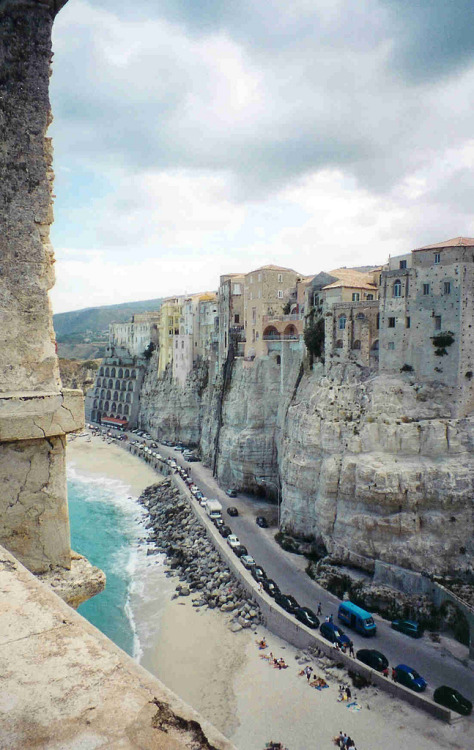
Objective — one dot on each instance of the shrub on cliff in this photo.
(314, 338)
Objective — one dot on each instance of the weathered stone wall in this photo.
(34, 413)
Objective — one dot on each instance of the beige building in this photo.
(266, 292)
(231, 315)
(136, 334)
(171, 312)
(197, 333)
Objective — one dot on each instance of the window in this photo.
(356, 344)
(339, 344)
(437, 321)
(237, 289)
(426, 289)
(403, 264)
(397, 288)
(408, 322)
(447, 287)
(254, 314)
(259, 293)
(259, 277)
(355, 296)
(391, 322)
(370, 297)
(378, 321)
(391, 345)
(437, 258)
(280, 278)
(182, 345)
(236, 318)
(251, 279)
(280, 294)
(342, 322)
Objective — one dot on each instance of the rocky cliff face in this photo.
(377, 469)
(371, 467)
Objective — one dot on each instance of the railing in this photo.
(282, 318)
(282, 337)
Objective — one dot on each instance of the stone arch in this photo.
(126, 410)
(95, 403)
(102, 393)
(339, 344)
(98, 382)
(124, 385)
(121, 396)
(130, 386)
(356, 344)
(114, 407)
(106, 406)
(290, 330)
(375, 346)
(133, 373)
(109, 395)
(127, 373)
(116, 395)
(101, 371)
(111, 383)
(129, 398)
(271, 332)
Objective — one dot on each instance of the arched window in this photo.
(124, 385)
(111, 383)
(102, 393)
(117, 384)
(339, 344)
(130, 386)
(119, 409)
(112, 372)
(95, 403)
(397, 288)
(109, 394)
(114, 407)
(129, 398)
(120, 373)
(360, 316)
(278, 359)
(342, 322)
(98, 382)
(271, 332)
(106, 406)
(115, 395)
(290, 330)
(107, 372)
(356, 344)
(101, 371)
(133, 373)
(126, 410)
(127, 373)
(375, 346)
(122, 396)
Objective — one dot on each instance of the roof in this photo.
(350, 278)
(455, 242)
(274, 268)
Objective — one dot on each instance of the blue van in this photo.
(357, 618)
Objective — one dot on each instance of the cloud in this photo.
(261, 128)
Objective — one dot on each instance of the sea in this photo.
(108, 527)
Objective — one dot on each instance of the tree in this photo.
(314, 338)
(149, 350)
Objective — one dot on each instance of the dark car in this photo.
(373, 659)
(409, 627)
(232, 511)
(231, 493)
(333, 633)
(451, 698)
(218, 522)
(240, 550)
(270, 586)
(225, 531)
(410, 678)
(262, 522)
(258, 573)
(287, 602)
(307, 617)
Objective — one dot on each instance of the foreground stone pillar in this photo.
(35, 414)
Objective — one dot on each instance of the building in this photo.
(197, 333)
(267, 290)
(171, 313)
(136, 334)
(230, 304)
(427, 316)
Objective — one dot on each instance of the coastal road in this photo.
(437, 663)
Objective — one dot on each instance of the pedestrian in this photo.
(351, 649)
(348, 692)
(320, 609)
(331, 618)
(394, 674)
(326, 619)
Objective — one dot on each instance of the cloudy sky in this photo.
(199, 137)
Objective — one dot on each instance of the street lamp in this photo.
(264, 480)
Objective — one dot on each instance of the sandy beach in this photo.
(222, 675)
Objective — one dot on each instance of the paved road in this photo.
(437, 665)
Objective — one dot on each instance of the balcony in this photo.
(280, 337)
(281, 318)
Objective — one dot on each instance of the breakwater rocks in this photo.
(175, 531)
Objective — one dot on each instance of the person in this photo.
(308, 671)
(385, 672)
(326, 619)
(394, 674)
(351, 649)
(320, 610)
(331, 618)
(348, 692)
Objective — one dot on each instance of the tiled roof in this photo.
(455, 242)
(273, 268)
(350, 278)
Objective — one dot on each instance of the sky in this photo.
(195, 138)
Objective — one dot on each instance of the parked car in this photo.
(232, 511)
(258, 573)
(231, 493)
(410, 678)
(218, 522)
(262, 522)
(247, 561)
(286, 602)
(239, 550)
(233, 541)
(270, 586)
(451, 698)
(225, 531)
(334, 633)
(307, 617)
(409, 627)
(374, 659)
(202, 501)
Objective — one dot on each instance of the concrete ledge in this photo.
(77, 585)
(285, 626)
(29, 416)
(64, 684)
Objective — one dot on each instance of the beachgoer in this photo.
(320, 610)
(326, 619)
(385, 672)
(348, 693)
(331, 618)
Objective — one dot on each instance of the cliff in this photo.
(371, 467)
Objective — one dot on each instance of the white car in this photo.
(233, 541)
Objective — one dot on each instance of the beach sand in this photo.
(222, 675)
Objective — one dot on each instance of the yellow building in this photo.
(171, 312)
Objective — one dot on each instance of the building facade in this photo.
(136, 334)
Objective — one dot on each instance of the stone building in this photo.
(136, 334)
(170, 318)
(427, 317)
(266, 292)
(197, 326)
(230, 303)
(114, 399)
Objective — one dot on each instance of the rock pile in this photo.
(175, 531)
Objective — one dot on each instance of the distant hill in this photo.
(83, 334)
(97, 319)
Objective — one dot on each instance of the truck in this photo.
(213, 508)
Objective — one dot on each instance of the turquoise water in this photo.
(107, 527)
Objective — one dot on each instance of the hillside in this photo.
(83, 334)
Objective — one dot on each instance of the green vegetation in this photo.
(91, 321)
(441, 341)
(314, 337)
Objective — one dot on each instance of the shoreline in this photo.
(221, 675)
